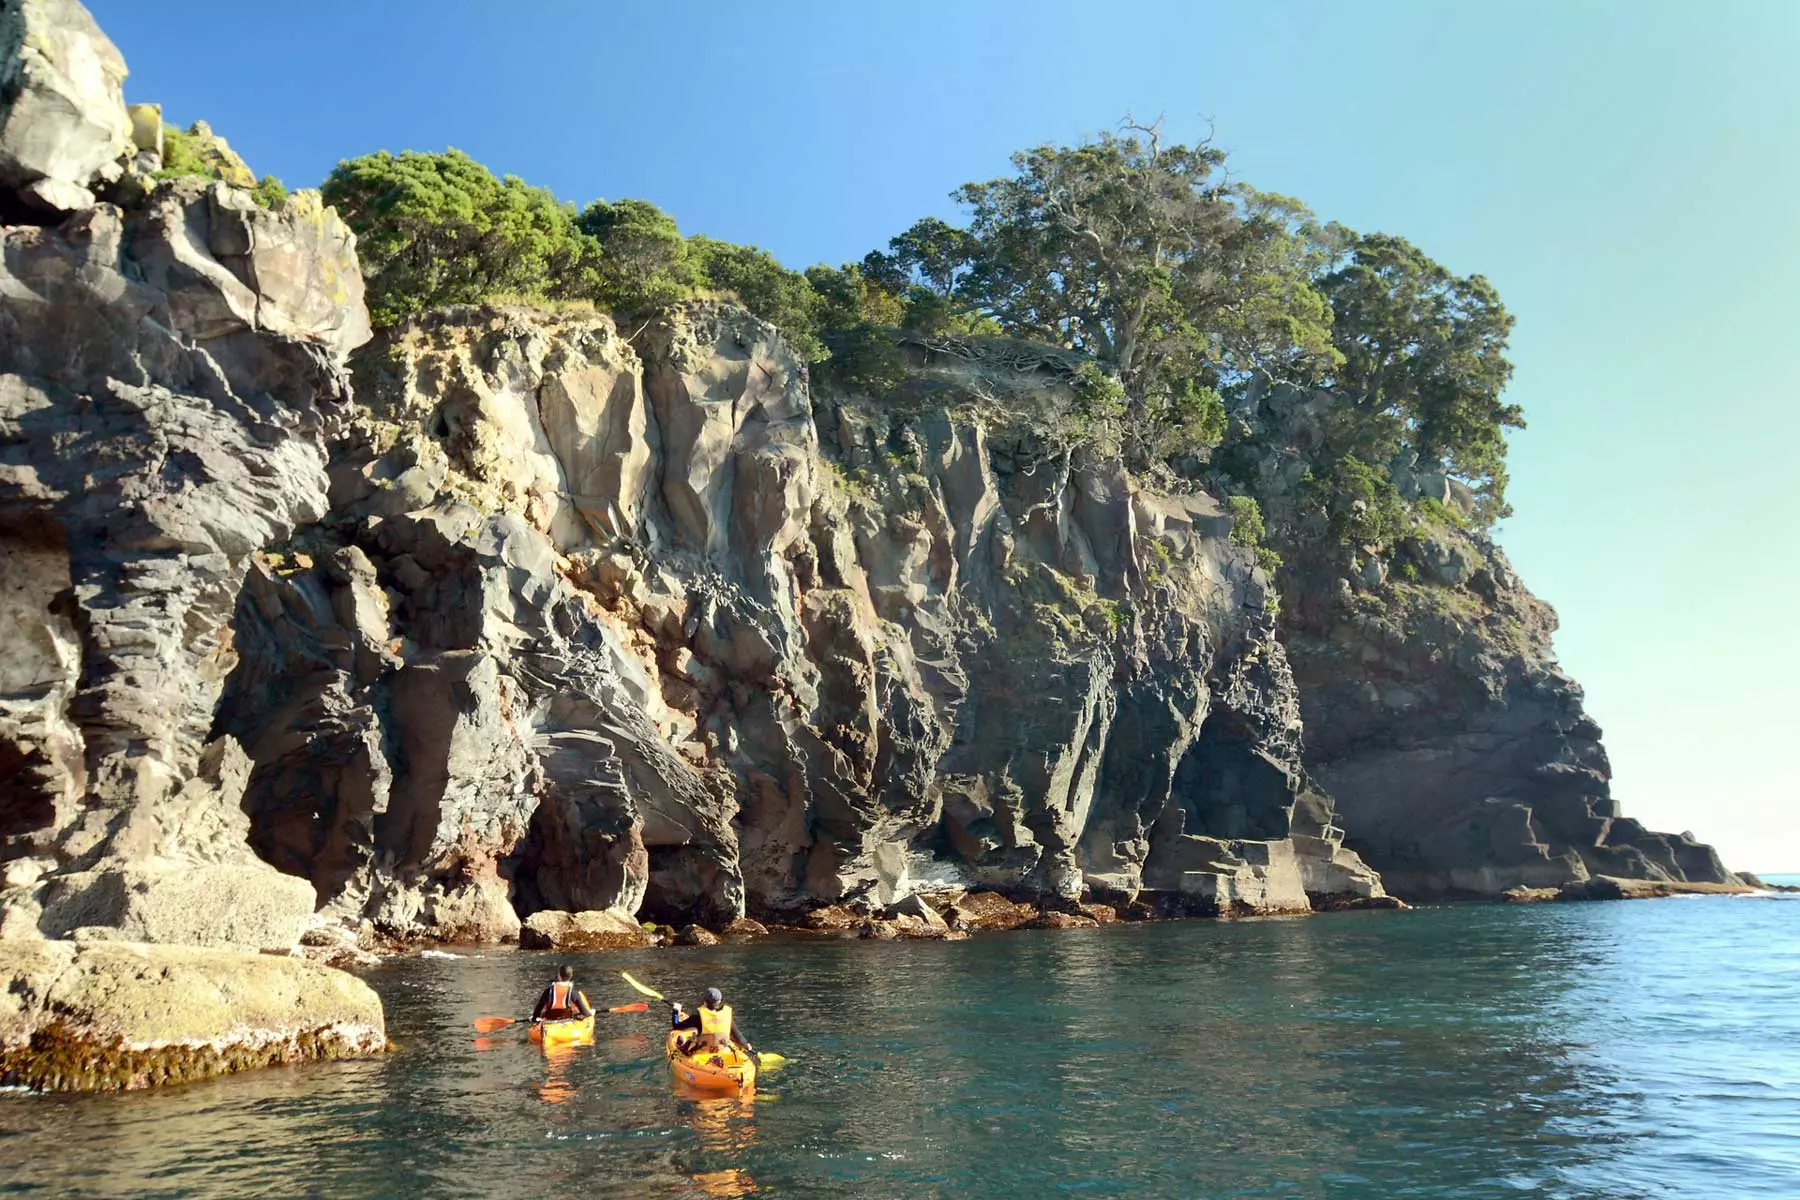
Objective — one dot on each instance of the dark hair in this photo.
(564, 974)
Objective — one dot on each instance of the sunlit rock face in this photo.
(518, 611)
(652, 625)
(170, 356)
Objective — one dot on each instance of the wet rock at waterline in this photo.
(553, 930)
(108, 1015)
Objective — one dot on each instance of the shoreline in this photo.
(839, 923)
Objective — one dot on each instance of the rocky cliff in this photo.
(1437, 717)
(651, 624)
(516, 610)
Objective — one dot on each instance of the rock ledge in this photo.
(113, 1016)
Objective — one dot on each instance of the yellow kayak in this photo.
(575, 1031)
(728, 1072)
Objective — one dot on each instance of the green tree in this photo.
(1144, 256)
(1427, 351)
(437, 229)
(756, 280)
(644, 259)
(848, 297)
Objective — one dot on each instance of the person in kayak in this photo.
(562, 1000)
(712, 1024)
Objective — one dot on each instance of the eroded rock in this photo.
(111, 1015)
(553, 930)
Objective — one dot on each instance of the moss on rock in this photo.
(112, 1016)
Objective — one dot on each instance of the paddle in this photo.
(764, 1058)
(495, 1024)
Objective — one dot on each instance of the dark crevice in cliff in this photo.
(1229, 786)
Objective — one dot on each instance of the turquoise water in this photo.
(1639, 1049)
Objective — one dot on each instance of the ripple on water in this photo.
(1630, 1050)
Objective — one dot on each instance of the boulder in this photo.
(744, 929)
(915, 908)
(1061, 920)
(830, 918)
(696, 935)
(604, 930)
(248, 905)
(63, 124)
(988, 911)
(110, 1015)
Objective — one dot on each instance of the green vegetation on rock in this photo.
(198, 152)
(1191, 296)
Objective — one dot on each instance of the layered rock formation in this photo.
(1437, 717)
(651, 626)
(167, 358)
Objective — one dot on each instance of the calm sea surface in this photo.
(1640, 1049)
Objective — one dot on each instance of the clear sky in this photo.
(1626, 172)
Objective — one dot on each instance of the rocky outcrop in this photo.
(653, 626)
(63, 126)
(547, 627)
(549, 929)
(1457, 750)
(168, 363)
(110, 1016)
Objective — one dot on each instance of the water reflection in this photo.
(724, 1128)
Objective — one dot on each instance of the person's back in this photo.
(562, 1000)
(713, 1026)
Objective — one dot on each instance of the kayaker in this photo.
(562, 1000)
(712, 1023)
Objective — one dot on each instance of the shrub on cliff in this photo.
(197, 152)
(644, 260)
(437, 229)
(756, 280)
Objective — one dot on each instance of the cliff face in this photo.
(541, 614)
(653, 626)
(1436, 714)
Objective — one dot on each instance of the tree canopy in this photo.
(437, 229)
(1186, 288)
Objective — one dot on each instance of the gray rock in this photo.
(63, 124)
(163, 394)
(1458, 752)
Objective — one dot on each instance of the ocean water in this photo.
(1640, 1049)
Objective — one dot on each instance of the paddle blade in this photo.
(490, 1024)
(648, 991)
(768, 1060)
(640, 1006)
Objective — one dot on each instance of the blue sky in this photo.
(1624, 171)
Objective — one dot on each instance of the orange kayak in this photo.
(576, 1031)
(728, 1072)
